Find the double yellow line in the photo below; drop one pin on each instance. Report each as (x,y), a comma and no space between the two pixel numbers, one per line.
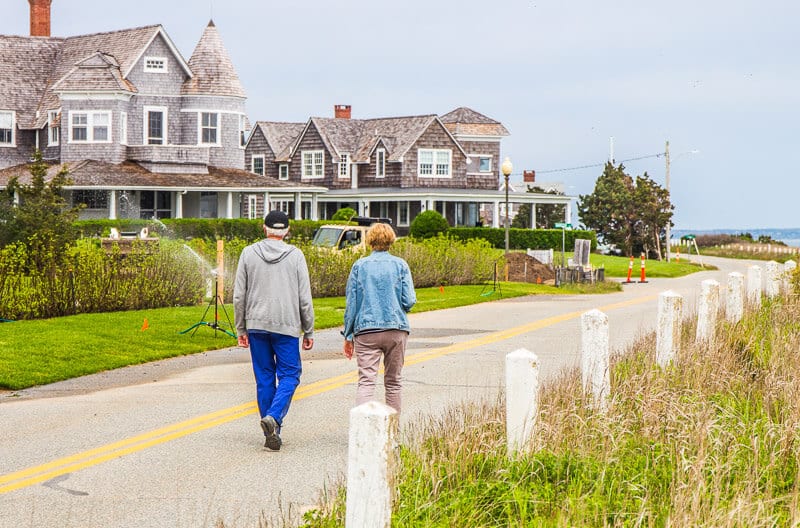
(36,474)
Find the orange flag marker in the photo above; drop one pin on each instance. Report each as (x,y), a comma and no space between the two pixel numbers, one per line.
(441,289)
(145,325)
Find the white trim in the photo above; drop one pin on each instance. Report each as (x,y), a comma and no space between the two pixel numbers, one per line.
(435,163)
(280,168)
(313,175)
(152,64)
(252,206)
(253,164)
(344,163)
(51,116)
(487,139)
(95,96)
(13,142)
(123,128)
(170,45)
(481,156)
(408,213)
(211,110)
(242,131)
(165,128)
(217,128)
(90,126)
(380,163)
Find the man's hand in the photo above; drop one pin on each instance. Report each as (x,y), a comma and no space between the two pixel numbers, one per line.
(348,349)
(308,343)
(243,341)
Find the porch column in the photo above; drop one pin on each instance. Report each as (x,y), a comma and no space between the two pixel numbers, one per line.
(315,205)
(266,204)
(496,214)
(230,205)
(533,216)
(179,204)
(298,206)
(16,198)
(568,214)
(112,205)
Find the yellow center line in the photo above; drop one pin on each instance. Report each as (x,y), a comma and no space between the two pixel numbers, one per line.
(36,474)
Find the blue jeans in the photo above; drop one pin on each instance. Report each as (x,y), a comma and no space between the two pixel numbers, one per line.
(276,365)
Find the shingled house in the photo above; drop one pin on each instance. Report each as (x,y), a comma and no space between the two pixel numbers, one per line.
(393,167)
(143,132)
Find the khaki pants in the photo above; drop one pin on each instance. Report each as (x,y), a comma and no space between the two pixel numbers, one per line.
(391,344)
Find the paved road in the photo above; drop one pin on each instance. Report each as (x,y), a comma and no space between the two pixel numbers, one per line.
(177,443)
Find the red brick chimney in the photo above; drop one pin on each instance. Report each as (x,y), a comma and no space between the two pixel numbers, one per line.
(341,111)
(40,18)
(529,176)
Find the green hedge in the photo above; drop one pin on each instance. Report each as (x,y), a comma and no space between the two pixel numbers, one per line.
(524,238)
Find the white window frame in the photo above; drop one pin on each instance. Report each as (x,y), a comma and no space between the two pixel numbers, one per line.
(344,167)
(164,125)
(437,168)
(484,157)
(283,172)
(91,126)
(253,165)
(400,220)
(53,132)
(155,65)
(280,205)
(242,131)
(13,142)
(201,127)
(123,128)
(380,163)
(313,164)
(252,204)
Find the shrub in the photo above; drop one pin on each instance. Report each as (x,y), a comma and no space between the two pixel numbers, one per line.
(524,238)
(345,213)
(428,224)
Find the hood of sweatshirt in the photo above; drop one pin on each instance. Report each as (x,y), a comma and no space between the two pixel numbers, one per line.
(272,251)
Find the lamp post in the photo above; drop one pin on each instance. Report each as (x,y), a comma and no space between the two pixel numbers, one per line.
(507,167)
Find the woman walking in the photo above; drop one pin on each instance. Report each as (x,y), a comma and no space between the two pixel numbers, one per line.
(380,291)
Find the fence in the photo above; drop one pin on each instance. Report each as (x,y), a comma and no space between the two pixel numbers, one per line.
(372,457)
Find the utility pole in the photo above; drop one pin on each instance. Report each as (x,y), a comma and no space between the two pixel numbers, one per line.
(666,179)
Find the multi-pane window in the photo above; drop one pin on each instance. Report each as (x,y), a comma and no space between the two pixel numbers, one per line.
(283,172)
(242,131)
(208,204)
(484,164)
(380,163)
(344,166)
(92,199)
(209,128)
(402,213)
(258,165)
(155,64)
(313,163)
(53,127)
(90,127)
(155,204)
(280,205)
(434,162)
(155,126)
(252,206)
(6,128)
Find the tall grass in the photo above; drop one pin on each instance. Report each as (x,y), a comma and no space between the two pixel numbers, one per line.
(710,441)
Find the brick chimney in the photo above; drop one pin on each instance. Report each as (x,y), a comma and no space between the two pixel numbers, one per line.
(341,111)
(529,176)
(40,18)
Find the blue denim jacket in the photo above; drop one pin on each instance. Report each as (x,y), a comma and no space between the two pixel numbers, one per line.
(380,291)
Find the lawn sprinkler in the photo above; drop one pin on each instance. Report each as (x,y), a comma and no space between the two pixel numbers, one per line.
(216,302)
(495,284)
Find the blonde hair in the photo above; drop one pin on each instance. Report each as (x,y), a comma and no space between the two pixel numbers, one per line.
(380,237)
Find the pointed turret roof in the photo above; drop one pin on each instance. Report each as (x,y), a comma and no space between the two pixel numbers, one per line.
(212,69)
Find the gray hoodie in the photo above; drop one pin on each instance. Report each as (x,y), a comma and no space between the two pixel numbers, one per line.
(272,290)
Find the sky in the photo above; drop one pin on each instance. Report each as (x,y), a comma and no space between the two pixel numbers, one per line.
(719,80)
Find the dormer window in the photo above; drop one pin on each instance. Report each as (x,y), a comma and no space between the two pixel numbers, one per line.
(53,128)
(155,64)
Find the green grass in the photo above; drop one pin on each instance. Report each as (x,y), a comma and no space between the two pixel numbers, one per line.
(618,267)
(37,352)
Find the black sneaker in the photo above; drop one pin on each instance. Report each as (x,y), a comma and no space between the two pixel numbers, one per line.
(270,427)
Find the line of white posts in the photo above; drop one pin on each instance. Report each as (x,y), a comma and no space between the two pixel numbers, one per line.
(373,457)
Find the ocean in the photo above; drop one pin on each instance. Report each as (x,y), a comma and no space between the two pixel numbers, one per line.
(790,237)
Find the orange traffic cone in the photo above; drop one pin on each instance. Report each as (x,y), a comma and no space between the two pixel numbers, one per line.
(642,277)
(630,269)
(145,325)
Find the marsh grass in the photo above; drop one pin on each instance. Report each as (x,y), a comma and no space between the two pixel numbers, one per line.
(710,441)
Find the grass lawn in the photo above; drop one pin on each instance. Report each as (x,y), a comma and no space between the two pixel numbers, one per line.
(44,351)
(618,267)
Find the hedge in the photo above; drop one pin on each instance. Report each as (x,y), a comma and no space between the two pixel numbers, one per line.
(524,238)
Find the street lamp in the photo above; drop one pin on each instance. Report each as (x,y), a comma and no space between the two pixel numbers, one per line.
(507,167)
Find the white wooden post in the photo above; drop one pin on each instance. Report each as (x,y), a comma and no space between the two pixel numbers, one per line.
(668,331)
(707,310)
(754,285)
(773,285)
(789,268)
(371,465)
(594,358)
(522,398)
(734,300)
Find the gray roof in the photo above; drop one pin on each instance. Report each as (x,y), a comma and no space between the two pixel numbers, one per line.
(279,136)
(212,68)
(467,121)
(100,71)
(26,66)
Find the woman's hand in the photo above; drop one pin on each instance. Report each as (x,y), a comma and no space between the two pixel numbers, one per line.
(348,349)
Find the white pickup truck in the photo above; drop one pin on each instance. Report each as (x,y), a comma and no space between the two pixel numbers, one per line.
(341,236)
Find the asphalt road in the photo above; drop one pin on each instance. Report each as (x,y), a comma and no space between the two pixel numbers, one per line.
(177,443)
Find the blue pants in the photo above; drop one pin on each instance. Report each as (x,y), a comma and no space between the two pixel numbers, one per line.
(276,365)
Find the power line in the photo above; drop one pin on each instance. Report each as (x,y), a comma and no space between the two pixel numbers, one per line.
(660,154)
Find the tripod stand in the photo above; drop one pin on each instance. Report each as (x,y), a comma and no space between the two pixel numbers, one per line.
(216,301)
(495,284)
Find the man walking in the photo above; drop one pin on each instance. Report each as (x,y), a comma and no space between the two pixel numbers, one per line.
(272,307)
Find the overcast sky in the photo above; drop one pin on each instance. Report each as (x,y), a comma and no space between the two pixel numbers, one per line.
(564,76)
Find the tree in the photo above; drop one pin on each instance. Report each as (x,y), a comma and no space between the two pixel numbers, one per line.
(428,224)
(41,219)
(546,214)
(345,213)
(631,214)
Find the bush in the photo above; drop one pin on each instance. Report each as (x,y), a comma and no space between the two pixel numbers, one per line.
(345,213)
(524,238)
(428,224)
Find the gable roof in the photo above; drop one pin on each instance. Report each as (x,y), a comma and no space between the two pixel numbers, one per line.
(212,68)
(100,71)
(26,65)
(468,122)
(279,136)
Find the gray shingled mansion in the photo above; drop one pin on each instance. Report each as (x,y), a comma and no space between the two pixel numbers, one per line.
(146,134)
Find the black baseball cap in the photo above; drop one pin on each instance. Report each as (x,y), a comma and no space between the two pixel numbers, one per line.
(277,220)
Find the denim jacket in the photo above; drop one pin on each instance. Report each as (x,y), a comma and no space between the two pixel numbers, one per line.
(380,291)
